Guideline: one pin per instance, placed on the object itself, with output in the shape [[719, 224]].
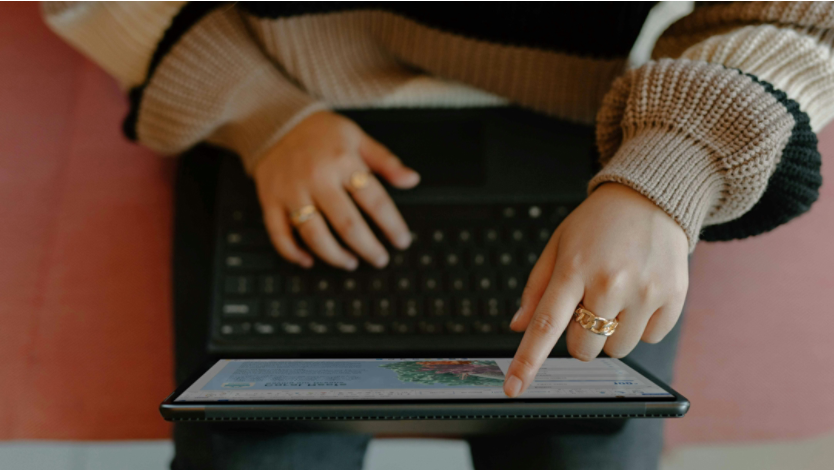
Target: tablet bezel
[[609, 407]]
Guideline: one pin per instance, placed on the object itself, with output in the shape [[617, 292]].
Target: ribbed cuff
[[698, 139], [215, 84], [685, 187]]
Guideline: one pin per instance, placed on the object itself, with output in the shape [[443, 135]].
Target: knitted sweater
[[717, 130]]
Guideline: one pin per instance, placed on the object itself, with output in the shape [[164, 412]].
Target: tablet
[[338, 394]]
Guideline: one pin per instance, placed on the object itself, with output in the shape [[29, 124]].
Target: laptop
[[496, 182]]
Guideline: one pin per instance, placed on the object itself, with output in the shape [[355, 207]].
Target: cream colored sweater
[[716, 130]]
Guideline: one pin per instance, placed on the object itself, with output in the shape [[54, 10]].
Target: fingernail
[[352, 264], [515, 317], [403, 241], [306, 263], [381, 261], [512, 387]]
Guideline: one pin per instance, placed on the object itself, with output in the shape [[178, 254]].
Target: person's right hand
[[312, 164]]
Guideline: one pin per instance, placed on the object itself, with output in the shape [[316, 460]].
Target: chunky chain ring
[[593, 323]]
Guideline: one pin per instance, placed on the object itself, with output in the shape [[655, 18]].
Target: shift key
[[241, 309], [250, 261]]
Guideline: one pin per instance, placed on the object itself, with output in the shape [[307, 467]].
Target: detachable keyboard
[[497, 182], [462, 276]]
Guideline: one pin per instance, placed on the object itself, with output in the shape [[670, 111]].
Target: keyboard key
[[512, 282], [484, 282], [491, 236], [465, 237], [492, 308], [292, 328], [240, 216], [270, 284], [383, 308], [438, 236], [543, 235], [276, 308], [529, 257], [378, 284], [401, 327], [264, 329], [330, 308], [426, 259], [458, 282], [504, 258], [295, 285], [465, 307], [247, 238], [430, 327], [302, 308], [508, 212], [250, 261], [357, 308], [319, 328], [374, 328], [478, 258], [399, 260], [350, 285], [456, 327], [451, 259], [534, 212], [322, 285], [439, 307], [516, 235], [485, 327], [404, 283], [241, 308], [411, 308], [234, 329], [347, 328], [430, 283], [239, 285]]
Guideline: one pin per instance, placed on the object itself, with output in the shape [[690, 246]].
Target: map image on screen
[[454, 373]]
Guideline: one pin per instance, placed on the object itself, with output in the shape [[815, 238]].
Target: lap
[[636, 445]]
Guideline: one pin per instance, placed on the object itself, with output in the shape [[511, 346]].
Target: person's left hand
[[621, 256]]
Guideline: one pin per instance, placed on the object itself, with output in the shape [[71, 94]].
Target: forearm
[[706, 136], [198, 76]]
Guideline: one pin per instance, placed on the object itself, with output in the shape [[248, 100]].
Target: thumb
[[384, 163]]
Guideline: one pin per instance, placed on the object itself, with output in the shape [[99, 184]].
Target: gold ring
[[299, 216], [591, 322], [359, 179]]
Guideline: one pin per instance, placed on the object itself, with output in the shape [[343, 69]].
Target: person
[[713, 139]]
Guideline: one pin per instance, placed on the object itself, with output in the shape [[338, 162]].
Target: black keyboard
[[463, 275]]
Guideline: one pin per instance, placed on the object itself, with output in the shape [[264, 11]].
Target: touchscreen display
[[411, 379]]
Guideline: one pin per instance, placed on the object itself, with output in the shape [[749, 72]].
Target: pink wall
[[84, 282]]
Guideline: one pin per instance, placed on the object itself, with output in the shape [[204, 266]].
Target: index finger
[[552, 315]]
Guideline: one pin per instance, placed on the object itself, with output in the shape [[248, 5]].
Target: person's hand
[[622, 257], [311, 165]]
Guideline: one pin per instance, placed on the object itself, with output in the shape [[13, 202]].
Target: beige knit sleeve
[[733, 89], [213, 83]]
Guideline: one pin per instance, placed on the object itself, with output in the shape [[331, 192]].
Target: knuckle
[[524, 363], [650, 291], [613, 280], [377, 203], [680, 285], [544, 325], [347, 226]]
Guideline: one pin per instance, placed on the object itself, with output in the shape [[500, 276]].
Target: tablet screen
[[231, 380]]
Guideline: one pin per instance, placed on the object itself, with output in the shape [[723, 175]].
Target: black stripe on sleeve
[[187, 17], [594, 29], [793, 187]]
